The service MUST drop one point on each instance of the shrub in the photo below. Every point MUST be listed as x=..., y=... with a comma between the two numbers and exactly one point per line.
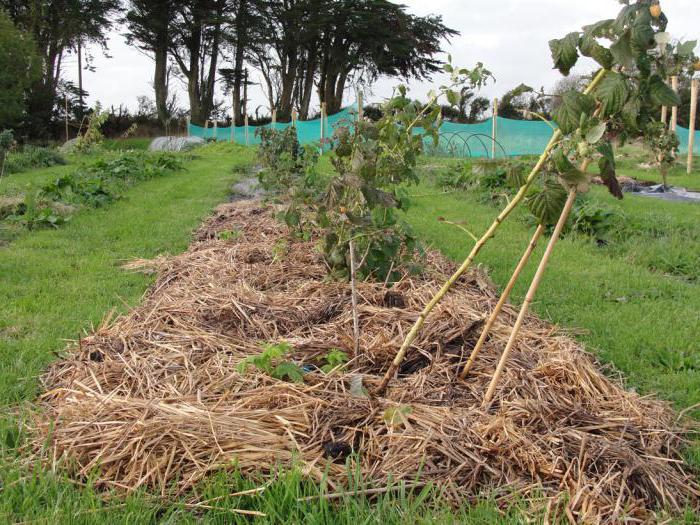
x=32, y=157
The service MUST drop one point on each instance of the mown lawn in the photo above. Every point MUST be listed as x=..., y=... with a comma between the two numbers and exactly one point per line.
x=641, y=319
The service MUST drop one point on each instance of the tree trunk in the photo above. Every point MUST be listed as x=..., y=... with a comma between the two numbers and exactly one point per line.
x=160, y=79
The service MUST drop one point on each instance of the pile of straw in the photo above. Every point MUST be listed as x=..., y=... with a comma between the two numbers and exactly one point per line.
x=154, y=397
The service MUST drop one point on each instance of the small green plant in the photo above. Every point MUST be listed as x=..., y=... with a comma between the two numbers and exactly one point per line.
x=229, y=235
x=270, y=362
x=93, y=137
x=31, y=157
x=664, y=146
x=335, y=358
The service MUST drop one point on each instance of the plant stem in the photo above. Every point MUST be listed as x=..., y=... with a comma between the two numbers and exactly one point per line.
x=530, y=295
x=353, y=288
x=502, y=300
x=490, y=232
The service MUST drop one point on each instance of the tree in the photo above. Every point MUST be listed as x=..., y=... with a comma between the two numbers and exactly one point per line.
x=196, y=43
x=328, y=44
x=19, y=68
x=149, y=24
x=477, y=108
x=517, y=102
x=58, y=27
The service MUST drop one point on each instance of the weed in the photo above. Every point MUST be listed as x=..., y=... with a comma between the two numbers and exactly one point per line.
x=269, y=362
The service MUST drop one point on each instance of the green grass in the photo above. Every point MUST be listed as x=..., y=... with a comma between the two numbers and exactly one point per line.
x=57, y=283
x=141, y=143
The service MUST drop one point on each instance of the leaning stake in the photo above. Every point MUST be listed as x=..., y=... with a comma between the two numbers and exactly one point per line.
x=410, y=337
x=504, y=297
x=530, y=295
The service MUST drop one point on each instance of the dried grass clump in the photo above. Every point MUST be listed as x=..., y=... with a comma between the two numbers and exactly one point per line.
x=154, y=398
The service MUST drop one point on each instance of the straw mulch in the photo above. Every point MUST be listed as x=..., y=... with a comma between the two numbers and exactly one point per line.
x=153, y=398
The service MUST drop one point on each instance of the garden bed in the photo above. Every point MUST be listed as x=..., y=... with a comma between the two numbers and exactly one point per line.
x=156, y=398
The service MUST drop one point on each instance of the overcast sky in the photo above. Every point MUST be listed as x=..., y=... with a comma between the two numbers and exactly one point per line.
x=509, y=36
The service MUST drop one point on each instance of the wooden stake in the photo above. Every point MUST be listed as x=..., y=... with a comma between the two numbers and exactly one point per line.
x=353, y=288
x=187, y=125
x=494, y=128
x=245, y=123
x=694, y=85
x=274, y=118
x=490, y=233
x=360, y=108
x=233, y=117
x=664, y=111
x=294, y=118
x=502, y=300
x=214, y=130
x=66, y=110
x=674, y=109
x=323, y=124
x=530, y=295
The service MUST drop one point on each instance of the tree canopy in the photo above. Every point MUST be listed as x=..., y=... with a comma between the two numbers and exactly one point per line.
x=19, y=68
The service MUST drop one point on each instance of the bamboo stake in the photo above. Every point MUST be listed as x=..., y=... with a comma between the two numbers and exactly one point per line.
x=502, y=300
x=490, y=232
x=494, y=128
x=694, y=85
x=214, y=132
x=674, y=109
x=353, y=289
x=530, y=295
x=294, y=118
x=664, y=111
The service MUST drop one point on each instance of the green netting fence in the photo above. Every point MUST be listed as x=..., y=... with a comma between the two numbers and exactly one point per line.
x=513, y=137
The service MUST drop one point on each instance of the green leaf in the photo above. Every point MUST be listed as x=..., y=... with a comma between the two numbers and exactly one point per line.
x=642, y=35
x=630, y=113
x=573, y=105
x=686, y=49
x=566, y=170
x=595, y=133
x=622, y=52
x=452, y=97
x=289, y=371
x=600, y=29
x=612, y=93
x=591, y=48
x=547, y=204
x=565, y=52
x=661, y=93
x=607, y=169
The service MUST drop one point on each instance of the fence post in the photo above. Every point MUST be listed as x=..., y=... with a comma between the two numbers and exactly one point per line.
x=494, y=128
x=232, y=138
x=187, y=125
x=674, y=109
x=694, y=85
x=360, y=110
x=245, y=123
x=214, y=133
x=664, y=110
x=274, y=119
x=294, y=118
x=66, y=109
x=323, y=124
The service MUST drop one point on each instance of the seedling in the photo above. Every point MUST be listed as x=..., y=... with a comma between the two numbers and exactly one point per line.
x=270, y=362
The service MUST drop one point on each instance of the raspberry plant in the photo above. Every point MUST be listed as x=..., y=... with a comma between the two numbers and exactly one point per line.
x=625, y=94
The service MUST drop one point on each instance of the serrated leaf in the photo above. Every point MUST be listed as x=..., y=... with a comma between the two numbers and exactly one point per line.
x=595, y=133
x=547, y=204
x=573, y=105
x=661, y=94
x=566, y=170
x=686, y=49
x=289, y=371
x=642, y=34
x=607, y=169
x=612, y=93
x=600, y=29
x=630, y=113
x=590, y=47
x=622, y=51
x=565, y=52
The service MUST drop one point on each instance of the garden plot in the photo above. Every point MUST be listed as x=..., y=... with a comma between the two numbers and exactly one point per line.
x=158, y=397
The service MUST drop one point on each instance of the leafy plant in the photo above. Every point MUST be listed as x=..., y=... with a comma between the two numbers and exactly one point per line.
x=373, y=163
x=664, y=145
x=93, y=136
x=7, y=140
x=31, y=157
x=334, y=359
x=229, y=235
x=270, y=362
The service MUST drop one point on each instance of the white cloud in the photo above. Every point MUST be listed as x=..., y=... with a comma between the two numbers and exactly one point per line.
x=509, y=36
